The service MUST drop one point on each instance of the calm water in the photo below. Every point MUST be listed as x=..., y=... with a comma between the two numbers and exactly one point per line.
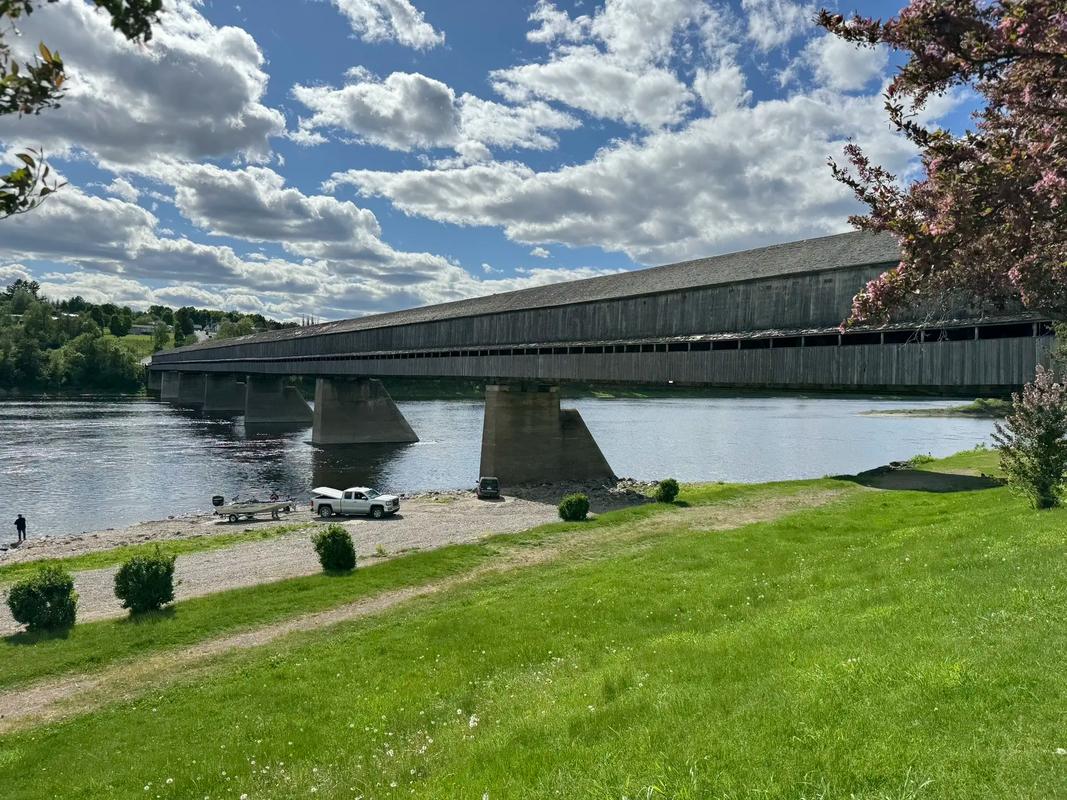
x=81, y=465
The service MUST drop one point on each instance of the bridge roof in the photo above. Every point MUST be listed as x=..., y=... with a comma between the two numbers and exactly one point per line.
x=806, y=256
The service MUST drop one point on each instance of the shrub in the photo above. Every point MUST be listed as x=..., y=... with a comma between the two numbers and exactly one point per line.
x=666, y=491
x=574, y=507
x=146, y=583
x=1033, y=440
x=45, y=602
x=335, y=549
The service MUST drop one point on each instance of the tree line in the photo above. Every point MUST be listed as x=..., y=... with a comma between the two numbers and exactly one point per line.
x=77, y=345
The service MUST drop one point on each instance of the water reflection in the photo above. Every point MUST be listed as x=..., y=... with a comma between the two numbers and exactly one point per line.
x=342, y=466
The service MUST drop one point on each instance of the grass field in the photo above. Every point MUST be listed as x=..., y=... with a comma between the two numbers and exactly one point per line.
x=139, y=345
x=991, y=408
x=890, y=645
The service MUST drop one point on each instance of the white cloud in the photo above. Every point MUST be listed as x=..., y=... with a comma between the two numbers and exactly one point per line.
x=254, y=204
x=585, y=78
x=409, y=111
x=555, y=24
x=390, y=20
x=540, y=252
x=496, y=125
x=9, y=273
x=643, y=32
x=193, y=92
x=123, y=189
x=402, y=112
x=844, y=66
x=616, y=64
x=114, y=236
x=773, y=23
x=751, y=177
x=723, y=88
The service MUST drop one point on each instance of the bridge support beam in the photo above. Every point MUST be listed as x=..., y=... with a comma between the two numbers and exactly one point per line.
x=191, y=390
x=268, y=401
x=154, y=383
x=169, y=384
x=527, y=438
x=357, y=411
x=223, y=394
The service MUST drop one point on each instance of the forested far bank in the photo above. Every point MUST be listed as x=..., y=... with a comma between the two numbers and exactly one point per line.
x=74, y=345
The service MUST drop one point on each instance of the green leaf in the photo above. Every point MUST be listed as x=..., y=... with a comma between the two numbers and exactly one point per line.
x=25, y=159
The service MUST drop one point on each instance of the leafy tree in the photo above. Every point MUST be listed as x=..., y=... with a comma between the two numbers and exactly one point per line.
x=120, y=325
x=76, y=304
x=160, y=337
x=179, y=337
x=1033, y=440
x=183, y=319
x=31, y=87
x=230, y=330
x=162, y=313
x=988, y=216
x=21, y=285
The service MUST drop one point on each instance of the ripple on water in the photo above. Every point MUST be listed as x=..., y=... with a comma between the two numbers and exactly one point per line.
x=74, y=465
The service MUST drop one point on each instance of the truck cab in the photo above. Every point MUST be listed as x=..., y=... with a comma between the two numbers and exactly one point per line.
x=355, y=501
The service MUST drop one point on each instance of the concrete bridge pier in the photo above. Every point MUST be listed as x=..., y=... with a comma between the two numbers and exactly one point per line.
x=223, y=394
x=269, y=401
x=154, y=383
x=357, y=411
x=527, y=438
x=169, y=383
x=191, y=390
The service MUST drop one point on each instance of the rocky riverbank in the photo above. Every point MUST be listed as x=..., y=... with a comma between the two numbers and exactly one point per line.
x=425, y=520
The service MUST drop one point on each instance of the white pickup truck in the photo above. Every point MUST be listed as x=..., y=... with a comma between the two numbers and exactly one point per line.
x=358, y=500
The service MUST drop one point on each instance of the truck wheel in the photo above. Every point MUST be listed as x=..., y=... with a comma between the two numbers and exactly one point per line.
x=232, y=518
x=325, y=511
x=377, y=512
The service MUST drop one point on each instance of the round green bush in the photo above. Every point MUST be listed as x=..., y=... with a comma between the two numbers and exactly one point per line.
x=574, y=507
x=335, y=549
x=666, y=491
x=146, y=583
x=45, y=602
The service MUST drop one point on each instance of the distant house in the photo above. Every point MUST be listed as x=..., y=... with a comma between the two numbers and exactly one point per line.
x=143, y=329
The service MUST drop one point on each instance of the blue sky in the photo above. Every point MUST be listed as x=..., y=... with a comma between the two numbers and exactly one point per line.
x=343, y=157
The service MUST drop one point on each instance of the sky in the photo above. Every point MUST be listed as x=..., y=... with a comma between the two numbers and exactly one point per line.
x=336, y=158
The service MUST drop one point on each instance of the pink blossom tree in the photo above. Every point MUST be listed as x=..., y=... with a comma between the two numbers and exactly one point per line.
x=988, y=216
x=1033, y=440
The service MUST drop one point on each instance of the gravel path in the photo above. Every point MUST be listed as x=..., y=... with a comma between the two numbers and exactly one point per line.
x=424, y=523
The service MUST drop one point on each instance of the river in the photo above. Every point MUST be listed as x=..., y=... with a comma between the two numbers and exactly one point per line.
x=76, y=465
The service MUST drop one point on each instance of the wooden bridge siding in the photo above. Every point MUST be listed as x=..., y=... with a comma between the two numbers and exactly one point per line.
x=806, y=301
x=956, y=365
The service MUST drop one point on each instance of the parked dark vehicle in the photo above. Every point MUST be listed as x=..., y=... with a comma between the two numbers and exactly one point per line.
x=488, y=489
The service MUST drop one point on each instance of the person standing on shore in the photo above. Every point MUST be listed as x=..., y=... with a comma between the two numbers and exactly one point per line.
x=20, y=528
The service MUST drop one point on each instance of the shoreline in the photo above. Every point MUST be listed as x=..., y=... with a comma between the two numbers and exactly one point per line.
x=536, y=501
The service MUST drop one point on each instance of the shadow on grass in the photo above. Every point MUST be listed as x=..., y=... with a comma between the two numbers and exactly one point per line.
x=36, y=637
x=917, y=480
x=150, y=617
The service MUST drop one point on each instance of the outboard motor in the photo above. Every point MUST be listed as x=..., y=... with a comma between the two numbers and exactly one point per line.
x=217, y=500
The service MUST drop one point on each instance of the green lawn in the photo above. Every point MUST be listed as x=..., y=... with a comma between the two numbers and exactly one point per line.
x=139, y=345
x=890, y=645
x=28, y=657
